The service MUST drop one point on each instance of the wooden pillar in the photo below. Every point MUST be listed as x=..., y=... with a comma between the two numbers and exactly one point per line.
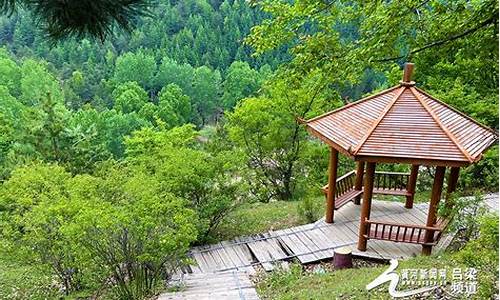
x=366, y=206
x=358, y=185
x=437, y=188
x=452, y=184
x=332, y=185
x=410, y=188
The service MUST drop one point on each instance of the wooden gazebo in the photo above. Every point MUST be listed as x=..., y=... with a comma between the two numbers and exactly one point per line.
x=405, y=125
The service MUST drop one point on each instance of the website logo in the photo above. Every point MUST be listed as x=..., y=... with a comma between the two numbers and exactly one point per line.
x=393, y=278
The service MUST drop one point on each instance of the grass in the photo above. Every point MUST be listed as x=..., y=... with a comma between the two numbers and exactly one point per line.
x=480, y=253
x=259, y=217
x=23, y=281
x=341, y=284
x=253, y=218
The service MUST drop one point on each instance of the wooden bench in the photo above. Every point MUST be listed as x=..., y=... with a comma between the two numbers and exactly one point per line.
x=345, y=191
x=391, y=183
x=385, y=183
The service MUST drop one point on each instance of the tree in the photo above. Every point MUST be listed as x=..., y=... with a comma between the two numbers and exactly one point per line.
x=241, y=82
x=11, y=129
x=129, y=97
x=172, y=101
x=273, y=141
x=81, y=18
x=206, y=180
x=140, y=236
x=47, y=130
x=205, y=92
x=37, y=82
x=10, y=73
x=139, y=67
x=172, y=72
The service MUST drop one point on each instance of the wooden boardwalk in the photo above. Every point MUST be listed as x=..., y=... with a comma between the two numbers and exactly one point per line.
x=222, y=270
x=311, y=242
x=230, y=285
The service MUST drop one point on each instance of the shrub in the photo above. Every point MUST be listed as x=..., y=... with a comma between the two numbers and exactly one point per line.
x=310, y=209
x=120, y=229
x=482, y=254
x=208, y=180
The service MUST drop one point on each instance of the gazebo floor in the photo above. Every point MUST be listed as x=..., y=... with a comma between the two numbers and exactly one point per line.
x=312, y=242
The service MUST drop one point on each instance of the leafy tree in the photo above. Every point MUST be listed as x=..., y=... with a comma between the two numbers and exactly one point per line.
x=35, y=235
x=172, y=102
x=139, y=67
x=118, y=225
x=129, y=97
x=273, y=142
x=241, y=82
x=205, y=179
x=16, y=138
x=37, y=82
x=171, y=72
x=142, y=234
x=205, y=92
x=10, y=73
x=47, y=129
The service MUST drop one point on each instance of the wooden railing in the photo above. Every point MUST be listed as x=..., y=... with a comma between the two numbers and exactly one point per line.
x=345, y=183
x=384, y=182
x=391, y=181
x=404, y=233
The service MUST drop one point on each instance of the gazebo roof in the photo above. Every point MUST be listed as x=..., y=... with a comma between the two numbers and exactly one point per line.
x=403, y=124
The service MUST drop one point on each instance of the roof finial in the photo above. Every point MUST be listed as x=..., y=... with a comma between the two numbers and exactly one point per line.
x=408, y=70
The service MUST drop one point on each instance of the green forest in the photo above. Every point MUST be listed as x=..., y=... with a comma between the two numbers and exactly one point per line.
x=123, y=146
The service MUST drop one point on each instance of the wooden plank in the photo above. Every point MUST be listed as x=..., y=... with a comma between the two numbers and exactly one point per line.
x=319, y=238
x=210, y=260
x=258, y=248
x=226, y=260
x=273, y=247
x=243, y=252
x=313, y=248
x=232, y=253
x=202, y=264
x=298, y=248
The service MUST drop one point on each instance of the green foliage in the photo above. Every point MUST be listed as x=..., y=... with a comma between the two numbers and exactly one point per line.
x=205, y=92
x=310, y=209
x=139, y=67
x=129, y=97
x=241, y=82
x=482, y=253
x=174, y=106
x=24, y=281
x=170, y=72
x=37, y=82
x=465, y=212
x=272, y=140
x=10, y=74
x=93, y=18
x=119, y=224
x=257, y=217
x=205, y=179
x=482, y=175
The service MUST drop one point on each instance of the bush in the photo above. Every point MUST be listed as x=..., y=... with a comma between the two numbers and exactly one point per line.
x=208, y=180
x=310, y=209
x=465, y=212
x=482, y=254
x=120, y=229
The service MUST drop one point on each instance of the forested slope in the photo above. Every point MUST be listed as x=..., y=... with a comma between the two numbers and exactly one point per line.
x=117, y=155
